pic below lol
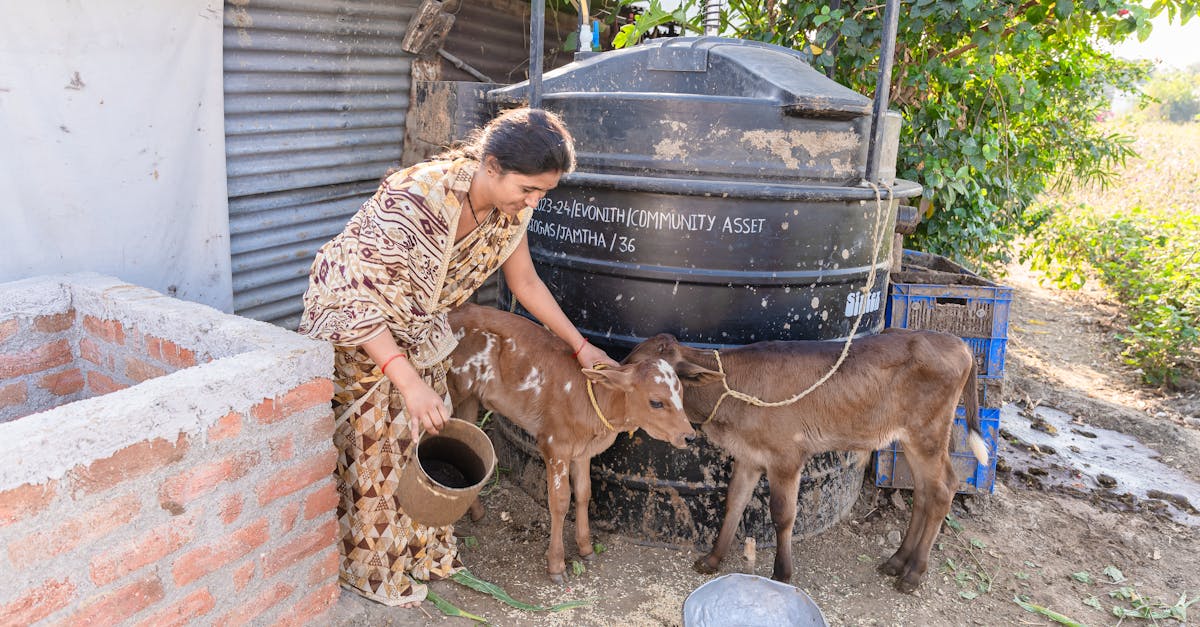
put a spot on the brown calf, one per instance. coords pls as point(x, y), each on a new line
point(899, 385)
point(520, 370)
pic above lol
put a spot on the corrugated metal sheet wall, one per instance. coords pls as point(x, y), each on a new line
point(492, 36)
point(316, 93)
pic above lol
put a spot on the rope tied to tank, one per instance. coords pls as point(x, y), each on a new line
point(595, 405)
point(877, 242)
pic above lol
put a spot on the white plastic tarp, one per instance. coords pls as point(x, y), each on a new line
point(112, 150)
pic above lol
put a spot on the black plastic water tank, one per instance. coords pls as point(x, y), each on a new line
point(718, 197)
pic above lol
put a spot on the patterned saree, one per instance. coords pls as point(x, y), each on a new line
point(396, 268)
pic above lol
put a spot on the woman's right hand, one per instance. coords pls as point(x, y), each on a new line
point(424, 406)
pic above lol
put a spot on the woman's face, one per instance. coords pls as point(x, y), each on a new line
point(513, 191)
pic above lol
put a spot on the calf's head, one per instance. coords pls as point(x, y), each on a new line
point(664, 346)
point(653, 398)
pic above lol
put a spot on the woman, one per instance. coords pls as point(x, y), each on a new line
point(380, 291)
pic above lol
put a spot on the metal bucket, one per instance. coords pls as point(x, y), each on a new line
point(750, 601)
point(445, 473)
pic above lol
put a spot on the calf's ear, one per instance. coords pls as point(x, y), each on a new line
point(620, 378)
point(694, 375)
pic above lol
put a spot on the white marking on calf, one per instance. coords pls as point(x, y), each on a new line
point(567, 387)
point(479, 365)
point(533, 381)
point(669, 379)
point(560, 472)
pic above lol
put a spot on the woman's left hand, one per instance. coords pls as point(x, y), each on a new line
point(590, 356)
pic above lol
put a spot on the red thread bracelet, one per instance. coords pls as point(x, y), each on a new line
point(580, 349)
point(387, 361)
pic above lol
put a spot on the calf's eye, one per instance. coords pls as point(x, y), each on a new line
point(656, 404)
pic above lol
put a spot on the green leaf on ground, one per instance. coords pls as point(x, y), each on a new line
point(466, 578)
point(1082, 576)
point(1048, 613)
point(953, 523)
point(1116, 575)
point(449, 608)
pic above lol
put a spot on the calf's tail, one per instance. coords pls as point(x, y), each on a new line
point(974, 431)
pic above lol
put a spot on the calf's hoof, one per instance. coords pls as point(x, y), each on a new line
point(892, 567)
point(906, 585)
point(589, 558)
point(783, 577)
point(557, 578)
point(703, 567)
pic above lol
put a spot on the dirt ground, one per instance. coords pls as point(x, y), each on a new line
point(1059, 546)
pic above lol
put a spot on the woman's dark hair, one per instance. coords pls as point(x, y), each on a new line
point(524, 140)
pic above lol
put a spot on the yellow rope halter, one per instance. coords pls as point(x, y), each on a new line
point(877, 238)
point(595, 405)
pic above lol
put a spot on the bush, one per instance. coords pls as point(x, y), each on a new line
point(1149, 260)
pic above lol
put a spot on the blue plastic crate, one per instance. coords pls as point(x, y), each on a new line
point(964, 305)
point(968, 311)
point(989, 356)
point(892, 470)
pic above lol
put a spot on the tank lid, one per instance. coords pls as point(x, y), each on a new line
point(702, 66)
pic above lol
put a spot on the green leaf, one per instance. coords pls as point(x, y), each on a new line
point(1048, 613)
point(598, 548)
point(1082, 576)
point(577, 568)
point(978, 543)
point(968, 594)
point(953, 523)
point(1063, 9)
point(449, 609)
point(1036, 14)
point(468, 579)
point(1093, 602)
point(1114, 574)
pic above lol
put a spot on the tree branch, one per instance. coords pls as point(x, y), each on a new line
point(1008, 31)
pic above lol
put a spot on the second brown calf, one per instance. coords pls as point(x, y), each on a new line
point(522, 371)
point(899, 385)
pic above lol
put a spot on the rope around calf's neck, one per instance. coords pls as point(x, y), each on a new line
point(877, 243)
point(596, 406)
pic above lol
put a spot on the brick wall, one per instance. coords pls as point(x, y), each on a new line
point(38, 369)
point(193, 498)
point(55, 358)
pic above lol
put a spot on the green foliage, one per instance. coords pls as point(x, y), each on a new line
point(1148, 260)
point(1000, 99)
point(1175, 96)
point(652, 17)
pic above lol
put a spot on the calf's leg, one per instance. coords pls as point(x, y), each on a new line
point(466, 407)
point(785, 484)
point(741, 487)
point(932, 495)
point(912, 536)
point(558, 493)
point(581, 481)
